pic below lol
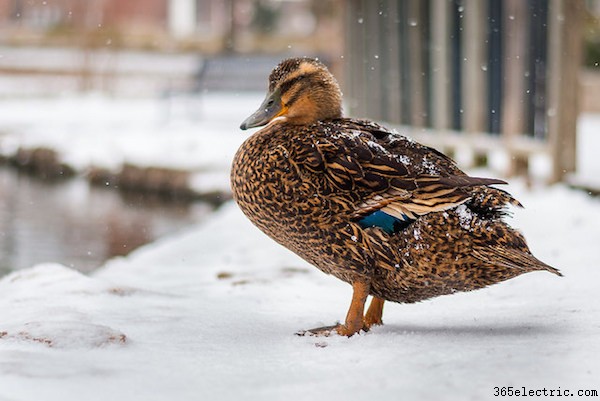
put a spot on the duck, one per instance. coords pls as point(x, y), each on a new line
point(397, 220)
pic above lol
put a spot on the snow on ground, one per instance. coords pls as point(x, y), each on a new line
point(211, 313)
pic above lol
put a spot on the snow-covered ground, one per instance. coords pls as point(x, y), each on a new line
point(211, 313)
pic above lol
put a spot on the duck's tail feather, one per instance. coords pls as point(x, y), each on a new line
point(513, 259)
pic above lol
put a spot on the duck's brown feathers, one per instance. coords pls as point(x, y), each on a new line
point(307, 186)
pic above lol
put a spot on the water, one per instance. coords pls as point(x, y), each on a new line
point(80, 226)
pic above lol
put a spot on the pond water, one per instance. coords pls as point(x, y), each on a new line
point(80, 226)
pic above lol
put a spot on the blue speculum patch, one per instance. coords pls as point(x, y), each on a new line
point(386, 222)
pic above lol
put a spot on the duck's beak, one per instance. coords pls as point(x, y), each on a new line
point(270, 108)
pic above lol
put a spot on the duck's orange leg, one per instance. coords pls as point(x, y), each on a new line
point(354, 319)
point(374, 313)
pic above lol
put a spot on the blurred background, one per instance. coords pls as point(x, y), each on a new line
point(118, 119)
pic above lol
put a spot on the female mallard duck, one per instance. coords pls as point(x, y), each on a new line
point(395, 219)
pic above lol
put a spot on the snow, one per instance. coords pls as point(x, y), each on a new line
point(211, 313)
point(430, 167)
point(194, 133)
point(465, 217)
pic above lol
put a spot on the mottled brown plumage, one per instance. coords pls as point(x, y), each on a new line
point(319, 184)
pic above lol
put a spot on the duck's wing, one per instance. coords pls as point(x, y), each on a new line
point(386, 171)
point(430, 194)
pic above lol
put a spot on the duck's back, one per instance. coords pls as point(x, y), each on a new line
point(290, 179)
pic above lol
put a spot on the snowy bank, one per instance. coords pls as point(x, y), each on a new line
point(197, 134)
point(211, 315)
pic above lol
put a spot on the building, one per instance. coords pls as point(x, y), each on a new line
point(483, 75)
point(208, 25)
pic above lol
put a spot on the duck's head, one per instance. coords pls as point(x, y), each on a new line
point(301, 91)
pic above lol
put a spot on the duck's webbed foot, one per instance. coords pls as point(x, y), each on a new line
point(354, 319)
point(326, 331)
